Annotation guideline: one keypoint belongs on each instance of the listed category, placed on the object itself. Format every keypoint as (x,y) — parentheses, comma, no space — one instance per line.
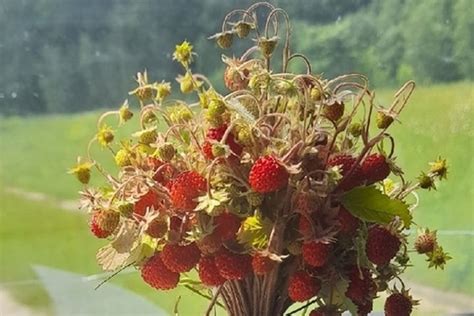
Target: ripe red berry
(268,175)
(185,188)
(157,228)
(147,201)
(156,274)
(233,266)
(208,272)
(375,168)
(361,286)
(302,286)
(348,222)
(104,222)
(216,134)
(262,264)
(381,245)
(346,162)
(316,312)
(163,172)
(365,308)
(398,304)
(180,258)
(316,254)
(209,244)
(227,225)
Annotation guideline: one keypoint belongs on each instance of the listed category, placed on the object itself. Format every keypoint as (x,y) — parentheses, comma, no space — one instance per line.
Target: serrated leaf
(213,204)
(369,204)
(255,231)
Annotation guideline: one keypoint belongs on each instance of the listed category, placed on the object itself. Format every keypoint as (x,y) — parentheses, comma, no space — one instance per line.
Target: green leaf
(369,204)
(255,231)
(213,205)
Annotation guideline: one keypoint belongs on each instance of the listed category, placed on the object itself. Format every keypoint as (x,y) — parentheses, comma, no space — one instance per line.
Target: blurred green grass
(37,151)
(34,232)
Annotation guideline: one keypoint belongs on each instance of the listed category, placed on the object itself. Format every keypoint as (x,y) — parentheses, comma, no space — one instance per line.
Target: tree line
(71,55)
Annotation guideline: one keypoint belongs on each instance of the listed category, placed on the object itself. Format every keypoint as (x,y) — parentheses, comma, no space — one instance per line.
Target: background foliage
(69,55)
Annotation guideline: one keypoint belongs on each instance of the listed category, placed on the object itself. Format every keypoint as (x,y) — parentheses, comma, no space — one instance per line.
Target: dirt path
(442,301)
(10,307)
(68,205)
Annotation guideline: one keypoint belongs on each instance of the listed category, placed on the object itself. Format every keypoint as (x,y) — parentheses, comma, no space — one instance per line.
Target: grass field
(37,151)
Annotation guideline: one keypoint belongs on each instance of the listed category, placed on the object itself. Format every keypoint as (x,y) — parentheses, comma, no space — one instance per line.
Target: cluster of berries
(274,193)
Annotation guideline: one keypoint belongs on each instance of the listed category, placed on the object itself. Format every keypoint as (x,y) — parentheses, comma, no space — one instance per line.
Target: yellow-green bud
(163,90)
(225,39)
(267,45)
(166,152)
(124,113)
(243,28)
(383,120)
(315,94)
(105,135)
(125,209)
(186,83)
(426,182)
(218,150)
(122,158)
(355,129)
(82,171)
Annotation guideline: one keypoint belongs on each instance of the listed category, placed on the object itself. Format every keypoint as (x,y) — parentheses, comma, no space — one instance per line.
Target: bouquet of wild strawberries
(275,193)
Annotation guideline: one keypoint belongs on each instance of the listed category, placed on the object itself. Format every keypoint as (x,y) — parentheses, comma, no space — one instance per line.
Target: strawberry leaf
(369,204)
(255,232)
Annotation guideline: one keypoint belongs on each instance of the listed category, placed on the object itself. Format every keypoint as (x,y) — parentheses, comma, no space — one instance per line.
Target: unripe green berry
(383,120)
(355,129)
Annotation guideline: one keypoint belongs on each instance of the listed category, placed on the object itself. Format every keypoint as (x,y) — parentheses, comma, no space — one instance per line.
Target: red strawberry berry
(316,254)
(268,175)
(209,244)
(227,225)
(303,286)
(147,201)
(157,228)
(398,304)
(156,274)
(348,222)
(215,135)
(180,258)
(233,266)
(381,245)
(365,308)
(375,168)
(316,312)
(164,172)
(262,264)
(185,188)
(346,162)
(104,222)
(361,286)
(208,272)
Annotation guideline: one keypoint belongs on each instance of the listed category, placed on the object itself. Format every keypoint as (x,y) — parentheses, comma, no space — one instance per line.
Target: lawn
(37,151)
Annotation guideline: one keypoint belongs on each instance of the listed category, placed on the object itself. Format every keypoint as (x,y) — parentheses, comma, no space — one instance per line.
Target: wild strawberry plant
(286,189)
